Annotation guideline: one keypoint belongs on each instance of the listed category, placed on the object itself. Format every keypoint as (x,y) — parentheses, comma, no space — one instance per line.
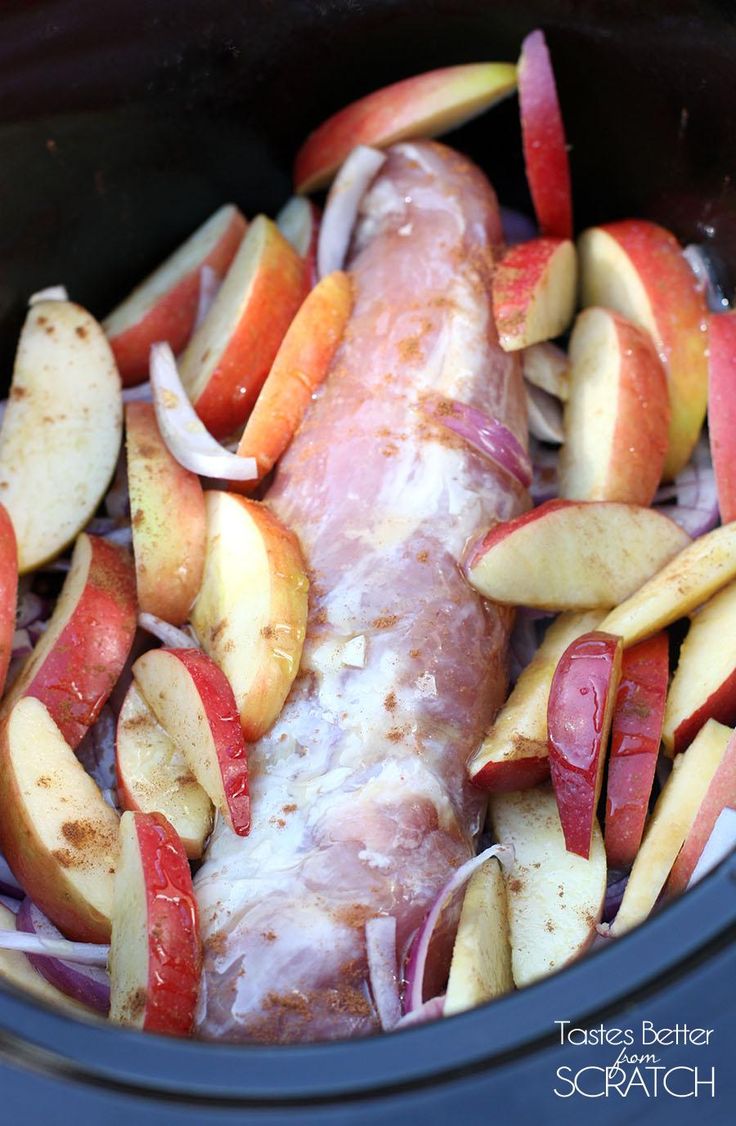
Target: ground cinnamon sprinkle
(390,702)
(385,622)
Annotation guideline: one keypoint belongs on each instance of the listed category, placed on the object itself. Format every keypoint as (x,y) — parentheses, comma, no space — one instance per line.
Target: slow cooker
(122,124)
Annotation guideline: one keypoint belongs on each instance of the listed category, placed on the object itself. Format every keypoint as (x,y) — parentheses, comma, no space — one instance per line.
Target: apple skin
(722,409)
(156,951)
(8,592)
(78,659)
(543,137)
(167,517)
(301,365)
(637,269)
(227,360)
(424,105)
(164,306)
(534,288)
(617,414)
(636,733)
(579,713)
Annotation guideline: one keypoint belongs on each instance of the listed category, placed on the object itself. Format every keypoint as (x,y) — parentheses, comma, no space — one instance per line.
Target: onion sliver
(209,283)
(701,263)
(721,841)
(695,495)
(342,206)
(430,1010)
(141,392)
(86,981)
(184,433)
(380,944)
(8,883)
(50,293)
(545,415)
(485,433)
(171,636)
(85,953)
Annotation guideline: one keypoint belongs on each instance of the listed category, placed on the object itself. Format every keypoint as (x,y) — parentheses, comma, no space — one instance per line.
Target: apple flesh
(251,612)
(61,431)
(57,832)
(301,365)
(573,555)
(154,777)
(555,898)
(673,818)
(533,290)
(617,414)
(167,518)
(17,970)
(637,269)
(579,713)
(228,358)
(156,951)
(164,306)
(79,657)
(193,702)
(481,957)
(8,592)
(636,733)
(547,367)
(425,105)
(514,755)
(722,409)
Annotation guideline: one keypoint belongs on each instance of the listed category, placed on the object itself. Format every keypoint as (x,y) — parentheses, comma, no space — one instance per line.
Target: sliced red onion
(184,433)
(694,493)
(22,644)
(485,433)
(209,283)
(96,752)
(171,636)
(529,629)
(3,405)
(35,629)
(80,971)
(545,483)
(117,501)
(517,227)
(413,998)
(700,261)
(615,888)
(141,393)
(31,607)
(341,209)
(86,953)
(50,293)
(430,1010)
(720,843)
(545,415)
(383,974)
(8,883)
(11,904)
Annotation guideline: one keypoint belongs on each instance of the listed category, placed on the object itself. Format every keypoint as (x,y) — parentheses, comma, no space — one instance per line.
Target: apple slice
(298,220)
(156,951)
(534,288)
(547,367)
(60,434)
(164,306)
(543,135)
(154,777)
(79,657)
(167,517)
(481,957)
(425,105)
(251,613)
(637,269)
(579,713)
(636,733)
(301,365)
(722,409)
(229,356)
(573,555)
(514,755)
(555,898)
(686,582)
(617,415)
(57,832)
(17,970)
(678,806)
(8,592)
(704,685)
(194,704)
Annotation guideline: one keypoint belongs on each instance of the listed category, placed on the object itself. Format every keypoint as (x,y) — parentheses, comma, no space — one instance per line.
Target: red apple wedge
(17,970)
(547,367)
(636,732)
(617,414)
(167,518)
(637,269)
(60,434)
(534,288)
(579,713)
(514,755)
(673,818)
(154,777)
(8,592)
(156,951)
(722,409)
(301,364)
(298,220)
(230,354)
(79,657)
(164,306)
(686,582)
(555,898)
(481,957)
(57,832)
(192,700)
(251,612)
(704,684)
(573,555)
(543,137)
(425,105)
